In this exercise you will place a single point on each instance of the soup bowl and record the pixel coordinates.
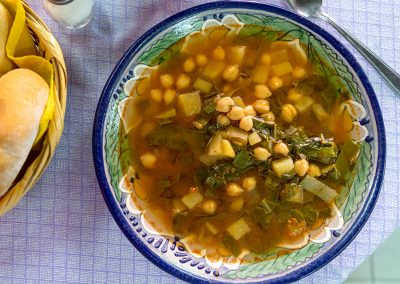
(157, 45)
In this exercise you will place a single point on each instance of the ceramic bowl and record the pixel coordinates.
(110, 149)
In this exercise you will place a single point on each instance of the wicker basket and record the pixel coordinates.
(51, 51)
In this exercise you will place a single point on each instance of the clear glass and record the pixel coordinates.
(74, 15)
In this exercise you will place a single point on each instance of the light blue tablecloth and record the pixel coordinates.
(62, 230)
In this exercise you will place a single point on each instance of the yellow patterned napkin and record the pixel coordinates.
(21, 49)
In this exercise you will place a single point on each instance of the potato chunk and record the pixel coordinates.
(282, 166)
(202, 85)
(236, 54)
(192, 199)
(213, 69)
(282, 68)
(189, 104)
(239, 229)
(260, 74)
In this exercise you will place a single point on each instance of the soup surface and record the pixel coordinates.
(239, 145)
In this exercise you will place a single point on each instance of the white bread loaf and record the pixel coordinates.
(23, 97)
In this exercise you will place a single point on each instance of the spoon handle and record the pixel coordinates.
(391, 76)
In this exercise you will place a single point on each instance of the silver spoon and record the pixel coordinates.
(312, 8)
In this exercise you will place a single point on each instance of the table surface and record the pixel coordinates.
(62, 230)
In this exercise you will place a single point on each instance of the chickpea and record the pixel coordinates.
(275, 83)
(209, 206)
(223, 120)
(314, 170)
(294, 95)
(183, 82)
(262, 92)
(201, 60)
(169, 96)
(269, 116)
(148, 160)
(167, 80)
(301, 167)
(156, 95)
(189, 65)
(299, 72)
(246, 123)
(234, 189)
(249, 183)
(224, 104)
(236, 113)
(261, 106)
(281, 148)
(266, 59)
(249, 110)
(231, 73)
(218, 53)
(288, 113)
(262, 154)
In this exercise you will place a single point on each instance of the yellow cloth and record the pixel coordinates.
(22, 50)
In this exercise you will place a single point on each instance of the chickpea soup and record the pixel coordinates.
(239, 145)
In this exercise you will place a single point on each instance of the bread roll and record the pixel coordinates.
(5, 26)
(23, 97)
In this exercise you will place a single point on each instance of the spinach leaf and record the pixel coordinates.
(216, 176)
(262, 126)
(297, 224)
(262, 166)
(223, 172)
(267, 205)
(278, 133)
(329, 95)
(213, 127)
(243, 160)
(231, 244)
(285, 215)
(272, 182)
(312, 83)
(209, 106)
(176, 138)
(200, 176)
(313, 147)
(186, 158)
(310, 214)
(262, 213)
(325, 213)
(292, 193)
(346, 157)
(165, 183)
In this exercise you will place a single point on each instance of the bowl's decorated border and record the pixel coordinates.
(160, 50)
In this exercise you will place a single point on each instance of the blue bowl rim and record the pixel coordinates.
(98, 133)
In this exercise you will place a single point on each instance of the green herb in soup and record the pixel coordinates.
(240, 146)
